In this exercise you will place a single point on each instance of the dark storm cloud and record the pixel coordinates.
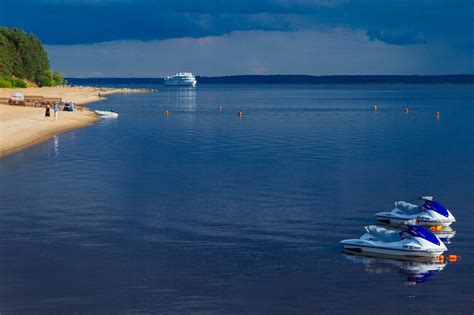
(400, 22)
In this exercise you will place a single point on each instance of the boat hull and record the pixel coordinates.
(430, 214)
(389, 218)
(413, 242)
(185, 84)
(393, 252)
(106, 114)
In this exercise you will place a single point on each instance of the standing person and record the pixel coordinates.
(56, 110)
(47, 112)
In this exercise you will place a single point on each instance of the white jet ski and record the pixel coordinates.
(444, 233)
(415, 241)
(106, 114)
(431, 213)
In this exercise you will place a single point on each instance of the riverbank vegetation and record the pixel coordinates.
(23, 61)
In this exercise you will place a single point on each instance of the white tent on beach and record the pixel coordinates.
(17, 97)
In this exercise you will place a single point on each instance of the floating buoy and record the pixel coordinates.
(441, 258)
(453, 258)
(240, 114)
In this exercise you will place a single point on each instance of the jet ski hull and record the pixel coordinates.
(413, 242)
(393, 219)
(352, 247)
(432, 213)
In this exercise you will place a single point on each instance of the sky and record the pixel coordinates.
(153, 38)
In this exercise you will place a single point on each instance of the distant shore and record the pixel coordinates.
(294, 79)
(24, 126)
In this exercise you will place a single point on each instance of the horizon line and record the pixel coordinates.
(286, 75)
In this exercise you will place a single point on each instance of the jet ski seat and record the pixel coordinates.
(407, 207)
(383, 234)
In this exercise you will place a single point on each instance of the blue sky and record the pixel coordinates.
(221, 37)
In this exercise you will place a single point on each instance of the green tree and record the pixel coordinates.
(22, 56)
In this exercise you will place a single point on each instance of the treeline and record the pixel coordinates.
(22, 57)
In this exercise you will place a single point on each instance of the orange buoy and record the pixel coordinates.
(441, 258)
(453, 258)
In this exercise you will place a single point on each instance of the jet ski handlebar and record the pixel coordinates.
(427, 198)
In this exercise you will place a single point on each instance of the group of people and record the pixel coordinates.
(69, 107)
(47, 113)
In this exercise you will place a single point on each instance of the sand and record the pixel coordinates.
(79, 94)
(22, 127)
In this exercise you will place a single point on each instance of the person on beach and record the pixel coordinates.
(56, 110)
(47, 112)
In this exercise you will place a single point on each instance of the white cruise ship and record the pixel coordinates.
(181, 79)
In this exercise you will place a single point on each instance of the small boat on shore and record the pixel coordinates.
(106, 114)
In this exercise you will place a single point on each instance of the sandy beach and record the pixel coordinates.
(77, 94)
(24, 126)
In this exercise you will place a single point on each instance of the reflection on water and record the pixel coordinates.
(183, 98)
(446, 234)
(412, 272)
(56, 146)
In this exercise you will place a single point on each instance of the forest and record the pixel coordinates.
(23, 61)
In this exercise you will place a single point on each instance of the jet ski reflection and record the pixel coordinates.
(412, 271)
(446, 234)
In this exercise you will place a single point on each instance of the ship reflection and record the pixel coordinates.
(184, 98)
(56, 146)
(412, 271)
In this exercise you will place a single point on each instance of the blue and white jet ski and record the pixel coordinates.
(431, 213)
(415, 241)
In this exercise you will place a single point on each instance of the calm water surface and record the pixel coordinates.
(202, 211)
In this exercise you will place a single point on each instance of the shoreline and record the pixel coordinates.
(22, 127)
